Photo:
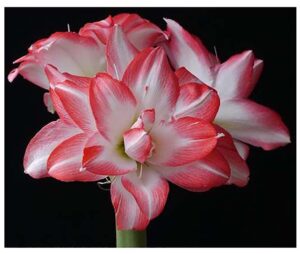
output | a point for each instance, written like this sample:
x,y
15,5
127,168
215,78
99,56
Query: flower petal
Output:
x,y
182,141
149,190
242,148
184,50
119,52
48,103
73,101
140,32
31,71
103,158
256,73
113,106
252,123
69,52
184,76
150,75
99,30
146,35
239,169
197,100
72,53
202,175
42,144
138,144
64,163
128,214
234,76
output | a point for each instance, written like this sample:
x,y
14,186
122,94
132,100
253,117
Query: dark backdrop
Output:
x,y
51,213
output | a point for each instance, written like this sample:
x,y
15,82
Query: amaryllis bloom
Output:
x,y
138,133
88,52
245,120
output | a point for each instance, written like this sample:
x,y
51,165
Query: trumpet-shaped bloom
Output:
x,y
140,132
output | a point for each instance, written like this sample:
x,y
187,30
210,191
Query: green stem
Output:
x,y
131,238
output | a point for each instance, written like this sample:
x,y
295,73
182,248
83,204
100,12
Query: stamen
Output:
x,y
216,53
82,169
116,71
106,182
220,135
68,27
141,171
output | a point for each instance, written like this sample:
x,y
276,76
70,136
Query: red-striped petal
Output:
x,y
128,214
65,161
182,141
103,158
119,52
42,144
234,76
197,100
202,175
184,76
153,82
113,106
70,98
138,144
149,190
239,171
185,50
253,123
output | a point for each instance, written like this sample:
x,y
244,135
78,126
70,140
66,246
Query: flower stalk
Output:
x,y
131,238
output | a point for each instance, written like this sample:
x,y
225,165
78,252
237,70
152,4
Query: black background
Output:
x,y
49,213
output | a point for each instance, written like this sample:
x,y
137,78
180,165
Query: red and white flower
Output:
x,y
126,116
88,52
246,121
140,132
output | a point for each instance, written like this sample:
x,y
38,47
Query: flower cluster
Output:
x,y
139,106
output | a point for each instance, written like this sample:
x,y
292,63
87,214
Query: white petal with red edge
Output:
x,y
239,171
69,52
256,73
99,30
242,148
71,98
138,144
253,123
128,214
146,35
234,76
113,106
184,50
184,76
103,158
65,161
197,100
150,75
119,52
48,103
182,141
149,190
72,53
32,71
202,175
140,32
42,144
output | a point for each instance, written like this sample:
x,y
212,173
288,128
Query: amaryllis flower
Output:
x,y
241,120
138,133
88,52
247,121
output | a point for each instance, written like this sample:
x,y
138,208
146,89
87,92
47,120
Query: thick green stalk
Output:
x,y
131,238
